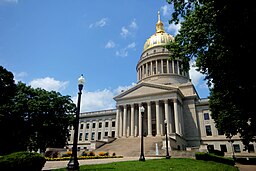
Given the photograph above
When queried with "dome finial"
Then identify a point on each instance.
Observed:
(159, 20)
(159, 25)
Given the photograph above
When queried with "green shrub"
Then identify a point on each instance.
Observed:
(215, 158)
(217, 152)
(84, 153)
(22, 161)
(91, 153)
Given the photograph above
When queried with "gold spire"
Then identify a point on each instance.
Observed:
(159, 25)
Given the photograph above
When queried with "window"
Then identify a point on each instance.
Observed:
(100, 125)
(113, 123)
(208, 130)
(113, 133)
(220, 132)
(106, 134)
(87, 126)
(106, 124)
(223, 148)
(93, 135)
(86, 136)
(69, 135)
(81, 126)
(99, 135)
(206, 116)
(80, 136)
(251, 148)
(236, 148)
(210, 148)
(93, 125)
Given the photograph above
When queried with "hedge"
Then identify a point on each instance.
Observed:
(215, 158)
(22, 161)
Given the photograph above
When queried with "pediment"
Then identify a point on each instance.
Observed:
(145, 89)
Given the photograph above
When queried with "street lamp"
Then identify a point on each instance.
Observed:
(166, 140)
(232, 148)
(73, 162)
(142, 158)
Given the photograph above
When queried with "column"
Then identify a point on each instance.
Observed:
(90, 131)
(110, 127)
(147, 73)
(178, 67)
(151, 68)
(156, 67)
(176, 116)
(161, 118)
(167, 66)
(140, 126)
(171, 119)
(121, 124)
(125, 121)
(167, 118)
(181, 120)
(157, 119)
(103, 130)
(135, 121)
(162, 66)
(132, 120)
(149, 120)
(117, 124)
(128, 123)
(96, 129)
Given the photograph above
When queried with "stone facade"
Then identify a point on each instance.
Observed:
(167, 95)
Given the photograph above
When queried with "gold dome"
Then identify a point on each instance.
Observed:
(160, 37)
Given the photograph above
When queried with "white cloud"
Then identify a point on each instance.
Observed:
(110, 44)
(20, 76)
(133, 24)
(9, 1)
(124, 51)
(130, 29)
(174, 28)
(100, 99)
(124, 32)
(196, 77)
(101, 23)
(131, 46)
(167, 10)
(49, 84)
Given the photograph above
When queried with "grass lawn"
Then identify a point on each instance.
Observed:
(174, 164)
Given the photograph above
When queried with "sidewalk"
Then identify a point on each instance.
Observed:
(49, 165)
(246, 167)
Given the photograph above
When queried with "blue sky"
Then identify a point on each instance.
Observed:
(50, 43)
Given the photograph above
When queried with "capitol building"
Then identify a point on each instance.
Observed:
(168, 96)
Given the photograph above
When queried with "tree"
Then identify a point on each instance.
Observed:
(46, 116)
(220, 36)
(7, 93)
(32, 118)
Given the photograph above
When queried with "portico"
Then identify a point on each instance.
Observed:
(162, 103)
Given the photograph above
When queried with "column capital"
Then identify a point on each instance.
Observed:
(149, 103)
(166, 100)
(157, 101)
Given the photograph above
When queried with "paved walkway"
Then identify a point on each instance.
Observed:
(49, 165)
(246, 167)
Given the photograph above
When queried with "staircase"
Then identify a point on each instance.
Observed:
(130, 147)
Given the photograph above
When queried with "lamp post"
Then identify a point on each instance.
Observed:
(142, 157)
(73, 162)
(232, 148)
(166, 140)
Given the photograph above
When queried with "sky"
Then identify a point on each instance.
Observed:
(50, 43)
